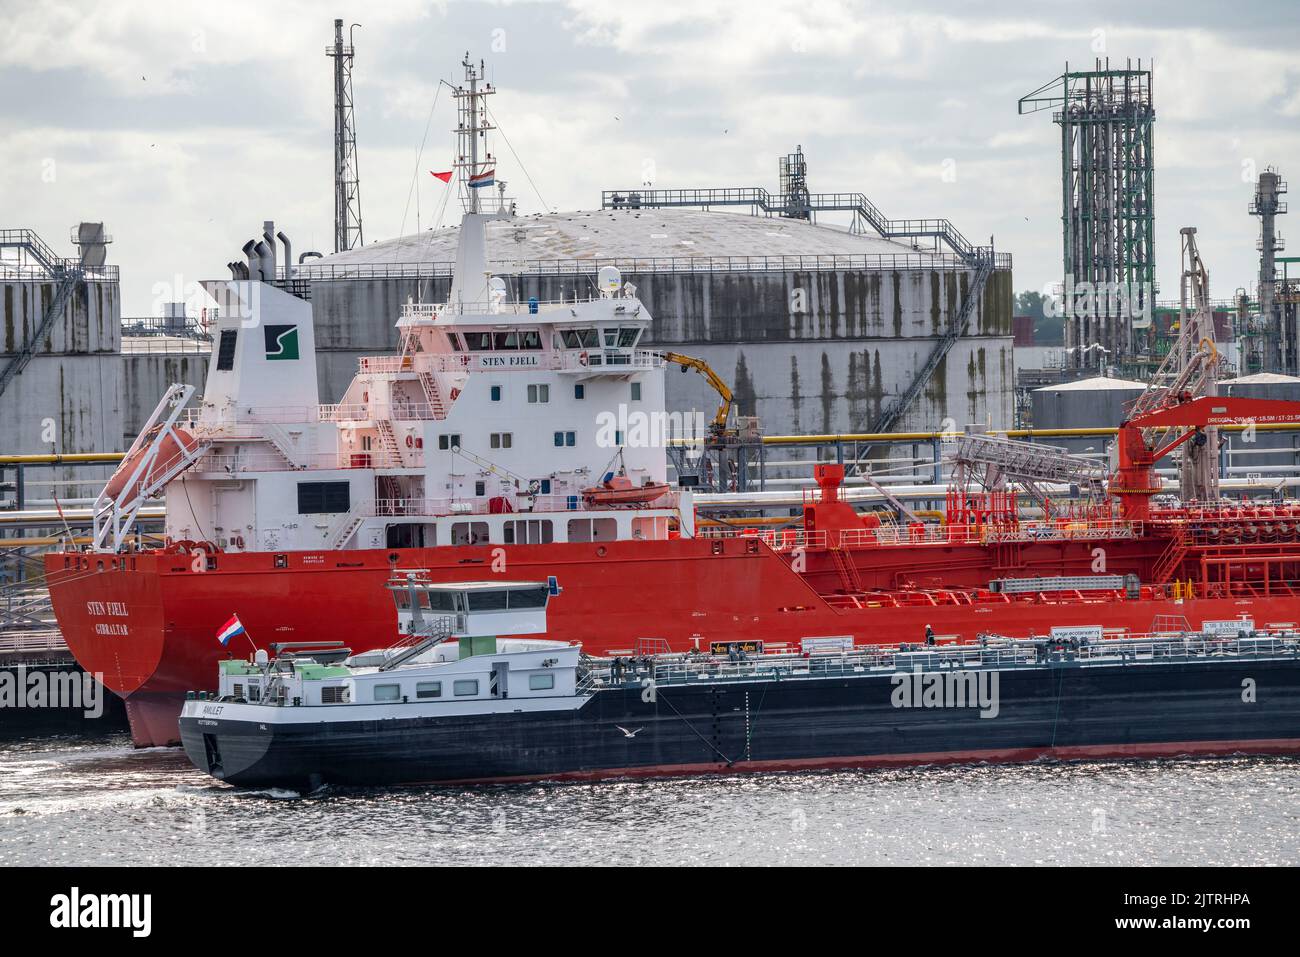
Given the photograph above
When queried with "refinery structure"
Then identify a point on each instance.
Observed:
(881, 349)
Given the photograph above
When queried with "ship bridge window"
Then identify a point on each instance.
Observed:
(319, 498)
(530, 339)
(505, 340)
(478, 341)
(627, 337)
(456, 344)
(444, 601)
(581, 339)
(226, 350)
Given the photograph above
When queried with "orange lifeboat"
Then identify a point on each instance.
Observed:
(171, 450)
(620, 490)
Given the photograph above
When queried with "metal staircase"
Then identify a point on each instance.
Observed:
(435, 632)
(1171, 558)
(893, 412)
(433, 395)
(388, 440)
(848, 571)
(66, 273)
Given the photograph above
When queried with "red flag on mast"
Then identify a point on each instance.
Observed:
(445, 177)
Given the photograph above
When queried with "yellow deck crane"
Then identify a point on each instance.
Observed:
(719, 430)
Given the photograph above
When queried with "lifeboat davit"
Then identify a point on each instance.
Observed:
(173, 448)
(620, 490)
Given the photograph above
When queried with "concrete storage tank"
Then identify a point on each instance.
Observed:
(1277, 452)
(816, 328)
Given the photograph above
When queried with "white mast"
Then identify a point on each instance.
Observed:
(469, 287)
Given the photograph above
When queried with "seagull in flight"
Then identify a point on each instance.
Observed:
(627, 733)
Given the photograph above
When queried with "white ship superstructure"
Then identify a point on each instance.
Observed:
(494, 423)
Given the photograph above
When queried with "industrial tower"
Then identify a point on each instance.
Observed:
(1277, 323)
(347, 183)
(1107, 208)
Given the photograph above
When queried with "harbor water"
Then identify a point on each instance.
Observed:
(95, 800)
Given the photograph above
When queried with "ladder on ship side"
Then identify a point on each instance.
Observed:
(847, 569)
(433, 395)
(432, 634)
(388, 440)
(1172, 557)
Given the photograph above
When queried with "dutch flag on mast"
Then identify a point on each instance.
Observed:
(485, 178)
(229, 630)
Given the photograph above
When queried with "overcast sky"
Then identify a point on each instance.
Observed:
(184, 125)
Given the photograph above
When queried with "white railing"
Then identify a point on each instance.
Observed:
(571, 360)
(243, 461)
(361, 412)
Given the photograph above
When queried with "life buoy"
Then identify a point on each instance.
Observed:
(238, 541)
(410, 441)
(582, 359)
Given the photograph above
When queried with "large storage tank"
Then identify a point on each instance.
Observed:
(816, 328)
(1263, 450)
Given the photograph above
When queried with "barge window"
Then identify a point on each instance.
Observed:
(428, 689)
(465, 687)
(527, 597)
(487, 601)
(226, 350)
(319, 498)
(388, 692)
(543, 682)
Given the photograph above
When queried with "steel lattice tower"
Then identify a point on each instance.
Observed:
(347, 182)
(1108, 210)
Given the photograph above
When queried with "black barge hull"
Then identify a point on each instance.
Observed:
(1205, 706)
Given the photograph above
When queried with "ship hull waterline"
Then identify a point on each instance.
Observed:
(1120, 711)
(147, 622)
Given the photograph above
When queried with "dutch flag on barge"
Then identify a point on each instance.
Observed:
(229, 630)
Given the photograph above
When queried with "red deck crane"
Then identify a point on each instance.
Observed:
(1135, 481)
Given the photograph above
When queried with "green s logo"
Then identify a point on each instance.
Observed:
(281, 342)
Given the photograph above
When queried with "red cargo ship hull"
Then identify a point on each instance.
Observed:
(147, 622)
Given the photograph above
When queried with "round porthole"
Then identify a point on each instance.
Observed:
(600, 551)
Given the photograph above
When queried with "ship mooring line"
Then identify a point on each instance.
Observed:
(694, 730)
